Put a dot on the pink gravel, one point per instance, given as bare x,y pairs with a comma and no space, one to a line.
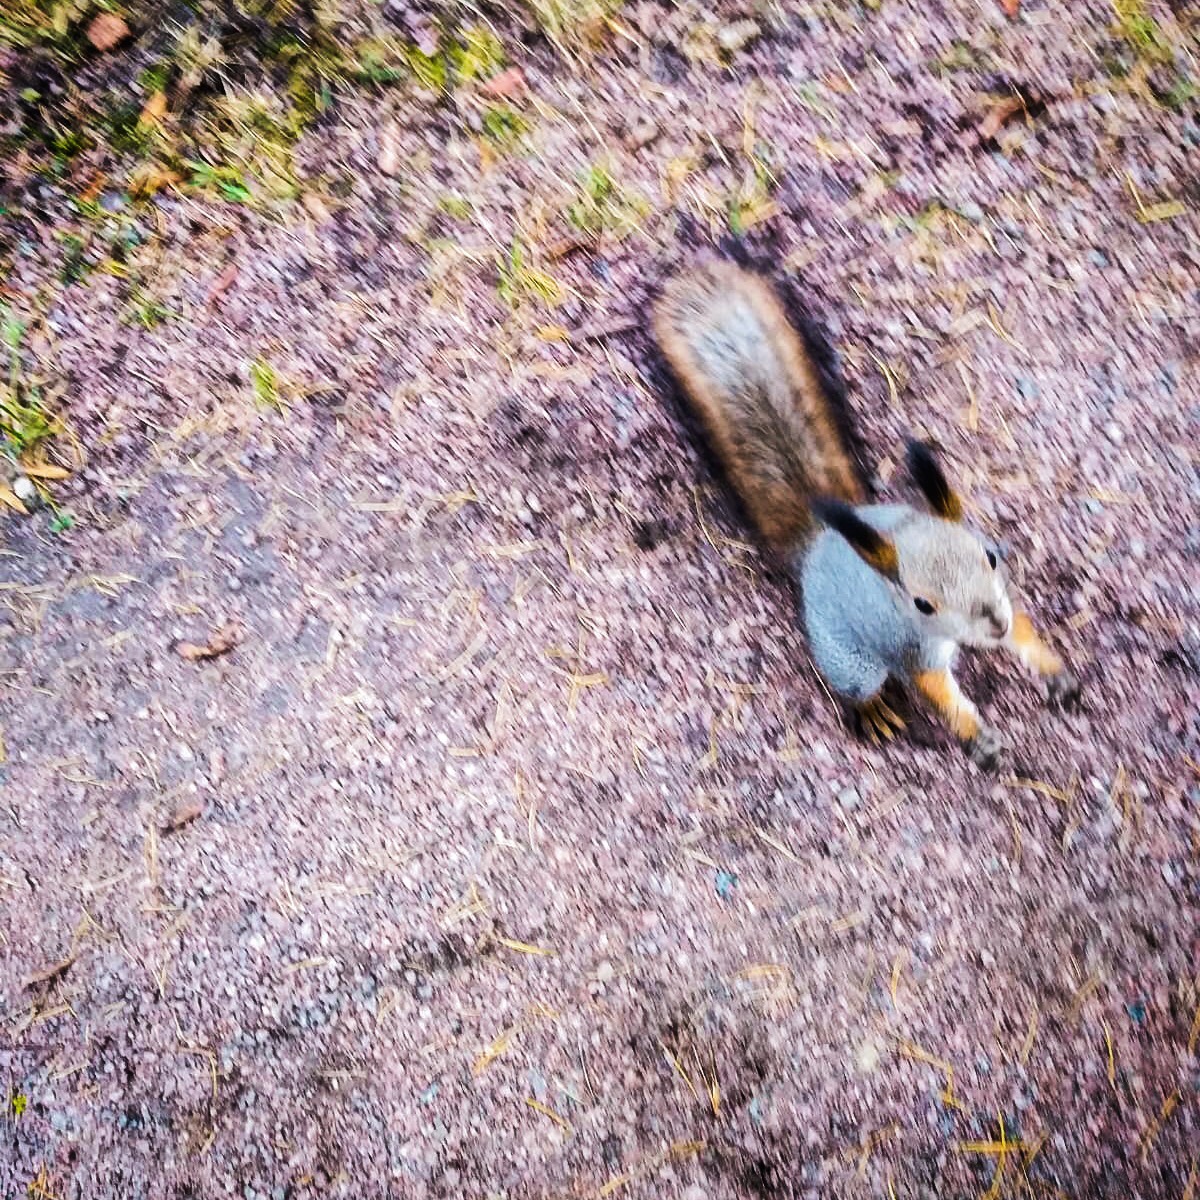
530,858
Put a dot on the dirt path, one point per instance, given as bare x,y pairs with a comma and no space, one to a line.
515,849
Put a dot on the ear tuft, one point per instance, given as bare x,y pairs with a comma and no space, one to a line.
927,473
876,550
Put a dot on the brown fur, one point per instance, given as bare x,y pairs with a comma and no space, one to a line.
747,374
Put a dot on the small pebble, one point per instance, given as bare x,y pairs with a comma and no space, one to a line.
641,133
737,35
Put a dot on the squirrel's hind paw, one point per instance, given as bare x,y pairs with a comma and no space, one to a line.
1064,691
877,720
986,749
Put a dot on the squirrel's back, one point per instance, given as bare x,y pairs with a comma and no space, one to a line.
746,372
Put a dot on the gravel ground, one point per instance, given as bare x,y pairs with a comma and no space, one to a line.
515,850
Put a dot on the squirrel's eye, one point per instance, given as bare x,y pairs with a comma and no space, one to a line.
923,605
991,557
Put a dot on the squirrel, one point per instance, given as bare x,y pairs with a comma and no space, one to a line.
888,592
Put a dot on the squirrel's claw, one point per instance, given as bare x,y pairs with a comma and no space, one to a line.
878,721
986,749
1064,691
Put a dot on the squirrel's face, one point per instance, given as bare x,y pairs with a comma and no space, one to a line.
943,574
952,581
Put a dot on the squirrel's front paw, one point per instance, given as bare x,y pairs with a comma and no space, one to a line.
986,749
1064,691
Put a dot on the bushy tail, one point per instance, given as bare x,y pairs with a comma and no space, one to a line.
759,395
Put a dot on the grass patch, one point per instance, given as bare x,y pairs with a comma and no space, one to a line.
473,54
145,310
455,206
751,201
225,182
1141,31
217,98
574,26
503,126
25,423
265,381
519,281
27,23
960,56
603,206
75,265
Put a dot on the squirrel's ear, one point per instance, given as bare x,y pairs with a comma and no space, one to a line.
876,550
927,474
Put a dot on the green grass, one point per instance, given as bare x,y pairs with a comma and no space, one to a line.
224,182
25,423
574,26
26,23
145,310
457,207
751,200
241,81
265,382
75,265
1142,31
959,57
503,126
603,206
475,53
519,281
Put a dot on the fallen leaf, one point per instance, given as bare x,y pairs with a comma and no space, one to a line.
148,178
106,31
1011,8
507,84
51,973
1165,210
998,116
220,643
154,111
44,471
183,815
9,497
223,283
388,159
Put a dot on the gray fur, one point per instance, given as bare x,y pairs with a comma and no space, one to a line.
855,631
863,629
